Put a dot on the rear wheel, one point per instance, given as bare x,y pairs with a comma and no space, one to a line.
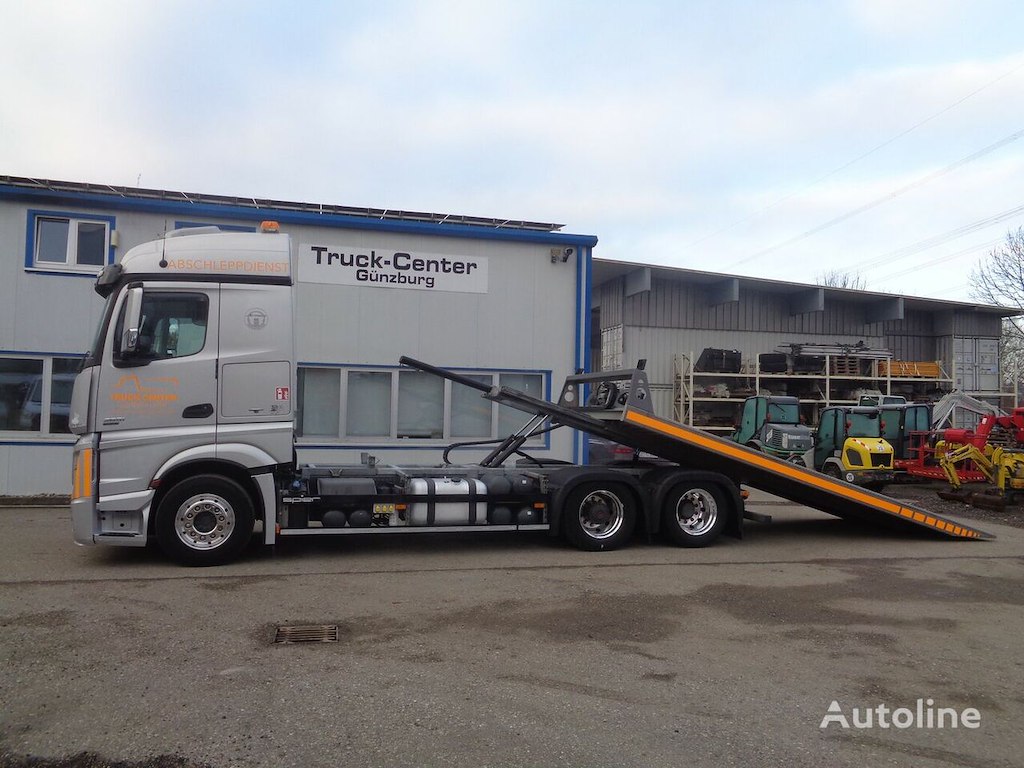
694,514
204,520
832,470
599,516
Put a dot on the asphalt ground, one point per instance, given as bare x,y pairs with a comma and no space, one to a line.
501,650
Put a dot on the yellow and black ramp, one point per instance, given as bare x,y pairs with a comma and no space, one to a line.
695,448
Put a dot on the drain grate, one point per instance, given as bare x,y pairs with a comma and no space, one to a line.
316,633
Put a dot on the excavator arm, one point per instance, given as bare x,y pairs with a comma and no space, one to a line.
959,455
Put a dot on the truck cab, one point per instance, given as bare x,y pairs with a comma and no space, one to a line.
189,376
849,445
772,424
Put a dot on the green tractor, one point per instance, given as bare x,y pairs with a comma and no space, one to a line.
772,425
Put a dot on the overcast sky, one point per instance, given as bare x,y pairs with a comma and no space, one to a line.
774,139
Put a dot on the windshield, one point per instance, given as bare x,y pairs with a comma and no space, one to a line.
862,425
783,413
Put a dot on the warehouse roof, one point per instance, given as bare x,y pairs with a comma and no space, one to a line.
605,270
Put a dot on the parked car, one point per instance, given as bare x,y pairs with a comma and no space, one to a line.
608,452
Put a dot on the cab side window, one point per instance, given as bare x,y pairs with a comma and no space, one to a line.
172,325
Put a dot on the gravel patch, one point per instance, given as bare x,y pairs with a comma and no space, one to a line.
927,496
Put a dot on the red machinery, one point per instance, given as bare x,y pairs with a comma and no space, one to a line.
1009,431
921,459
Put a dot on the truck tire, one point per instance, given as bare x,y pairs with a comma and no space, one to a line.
204,520
599,516
694,514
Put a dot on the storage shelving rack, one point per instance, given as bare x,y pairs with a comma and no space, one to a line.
711,400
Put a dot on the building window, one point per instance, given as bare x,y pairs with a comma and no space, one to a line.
68,243
35,394
471,413
406,405
511,419
62,382
320,399
368,404
420,405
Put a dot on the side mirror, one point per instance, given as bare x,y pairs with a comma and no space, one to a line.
132,321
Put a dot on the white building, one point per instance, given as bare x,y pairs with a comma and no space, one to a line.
504,301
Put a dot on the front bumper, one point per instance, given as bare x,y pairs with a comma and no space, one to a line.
121,520
868,476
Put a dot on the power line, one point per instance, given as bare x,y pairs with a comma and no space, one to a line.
884,199
935,240
855,160
939,260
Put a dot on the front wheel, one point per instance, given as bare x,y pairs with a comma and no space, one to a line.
694,514
832,470
205,520
599,516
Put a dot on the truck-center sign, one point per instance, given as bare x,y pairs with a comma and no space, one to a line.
387,268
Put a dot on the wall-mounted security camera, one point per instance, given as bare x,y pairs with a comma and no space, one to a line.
561,254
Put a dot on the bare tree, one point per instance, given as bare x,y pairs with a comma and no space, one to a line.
999,279
837,278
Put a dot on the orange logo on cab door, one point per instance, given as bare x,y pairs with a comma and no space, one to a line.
132,392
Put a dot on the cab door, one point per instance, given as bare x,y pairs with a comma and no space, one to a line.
158,400
825,439
754,410
256,372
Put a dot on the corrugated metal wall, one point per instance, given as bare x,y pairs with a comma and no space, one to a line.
677,318
686,305
968,324
913,337
608,297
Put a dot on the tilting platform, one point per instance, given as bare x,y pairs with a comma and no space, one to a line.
619,409
693,447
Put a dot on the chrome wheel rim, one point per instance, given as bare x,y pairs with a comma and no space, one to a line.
601,514
204,521
696,512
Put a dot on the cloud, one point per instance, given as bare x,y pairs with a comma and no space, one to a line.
898,19
669,125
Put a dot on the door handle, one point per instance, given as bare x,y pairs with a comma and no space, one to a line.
201,411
